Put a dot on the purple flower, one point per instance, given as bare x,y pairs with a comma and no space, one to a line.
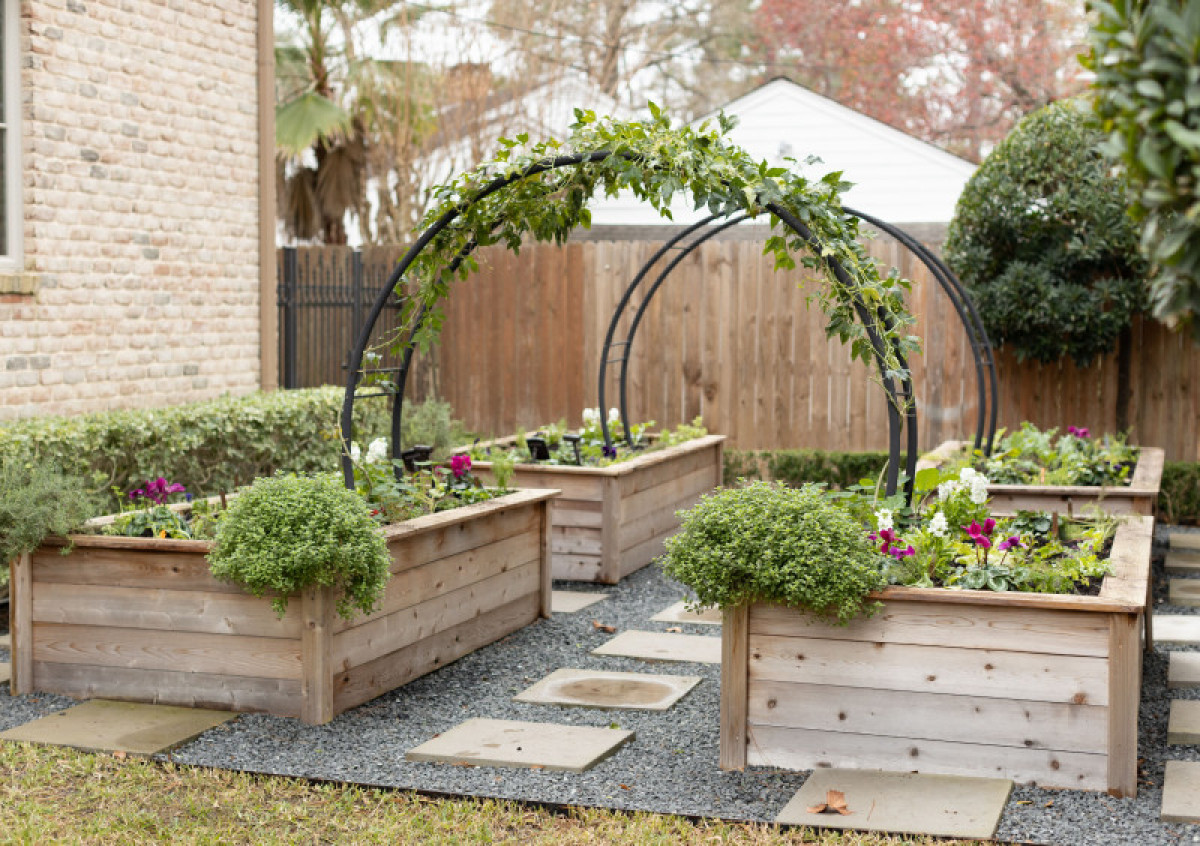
157,490
1009,543
610,452
903,553
979,533
460,465
1078,431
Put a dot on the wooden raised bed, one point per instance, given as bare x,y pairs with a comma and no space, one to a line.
143,619
611,521
1033,687
1138,497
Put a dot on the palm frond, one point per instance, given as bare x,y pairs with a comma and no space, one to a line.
303,121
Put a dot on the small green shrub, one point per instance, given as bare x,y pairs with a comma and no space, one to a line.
797,467
431,423
38,500
766,541
1179,496
211,446
287,532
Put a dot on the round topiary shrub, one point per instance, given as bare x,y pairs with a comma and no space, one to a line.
287,532
768,542
1041,238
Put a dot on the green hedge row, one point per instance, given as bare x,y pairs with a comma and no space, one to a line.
209,447
1179,501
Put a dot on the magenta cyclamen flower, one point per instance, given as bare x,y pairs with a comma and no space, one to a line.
459,465
157,490
979,534
890,545
1078,431
1009,543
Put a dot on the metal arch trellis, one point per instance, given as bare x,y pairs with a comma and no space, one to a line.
985,367
899,390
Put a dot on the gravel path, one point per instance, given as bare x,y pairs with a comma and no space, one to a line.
670,767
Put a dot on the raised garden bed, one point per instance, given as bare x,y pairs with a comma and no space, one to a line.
610,521
143,619
1138,497
1038,688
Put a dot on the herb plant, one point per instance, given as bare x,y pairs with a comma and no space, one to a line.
766,541
286,533
38,500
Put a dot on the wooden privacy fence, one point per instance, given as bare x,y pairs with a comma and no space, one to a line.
730,339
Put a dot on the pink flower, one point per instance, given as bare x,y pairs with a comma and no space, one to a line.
460,465
156,490
1009,543
1078,431
979,533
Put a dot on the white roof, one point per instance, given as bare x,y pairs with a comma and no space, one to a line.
897,178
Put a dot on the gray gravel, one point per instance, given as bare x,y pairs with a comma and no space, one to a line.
671,766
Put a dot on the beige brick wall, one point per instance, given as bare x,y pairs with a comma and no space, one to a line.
140,175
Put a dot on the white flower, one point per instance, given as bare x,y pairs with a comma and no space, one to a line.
591,416
614,415
938,525
979,489
355,452
947,489
883,519
967,474
377,451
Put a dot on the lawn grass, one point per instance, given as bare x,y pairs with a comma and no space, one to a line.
51,794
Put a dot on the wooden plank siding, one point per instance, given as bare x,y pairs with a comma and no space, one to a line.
730,338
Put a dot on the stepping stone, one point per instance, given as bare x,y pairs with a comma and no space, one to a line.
663,646
5,673
603,689
907,803
104,726
1183,727
678,613
1184,592
1177,628
1182,563
1183,670
570,601
1181,792
1185,540
509,743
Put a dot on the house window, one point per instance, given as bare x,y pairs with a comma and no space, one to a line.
10,138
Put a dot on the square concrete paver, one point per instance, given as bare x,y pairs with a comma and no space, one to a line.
1183,727
1184,592
1181,792
907,803
104,726
5,673
1177,628
1185,541
510,743
1182,563
663,646
1183,670
604,689
678,613
570,601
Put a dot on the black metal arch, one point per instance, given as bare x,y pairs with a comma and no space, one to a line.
899,391
977,336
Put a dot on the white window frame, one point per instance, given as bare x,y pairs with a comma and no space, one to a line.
12,261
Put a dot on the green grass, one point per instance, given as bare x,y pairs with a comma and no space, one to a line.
55,795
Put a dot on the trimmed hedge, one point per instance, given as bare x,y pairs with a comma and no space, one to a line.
210,446
1178,503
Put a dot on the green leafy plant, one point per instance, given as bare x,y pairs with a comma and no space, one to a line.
287,532
766,541
427,489
38,500
586,446
1144,56
1041,239
1031,456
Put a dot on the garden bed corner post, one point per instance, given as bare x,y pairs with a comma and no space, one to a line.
316,693
22,620
735,693
1124,692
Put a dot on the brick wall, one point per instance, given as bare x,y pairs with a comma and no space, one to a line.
140,182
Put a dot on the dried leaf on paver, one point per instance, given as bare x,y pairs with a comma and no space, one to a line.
602,627
835,802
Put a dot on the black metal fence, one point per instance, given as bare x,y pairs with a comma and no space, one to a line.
324,294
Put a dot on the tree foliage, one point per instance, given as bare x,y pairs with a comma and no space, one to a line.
958,73
1146,57
655,161
1041,238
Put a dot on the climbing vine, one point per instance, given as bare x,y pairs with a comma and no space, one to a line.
525,191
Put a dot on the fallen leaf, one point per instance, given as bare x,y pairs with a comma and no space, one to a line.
1048,804
624,786
120,755
675,629
597,624
835,802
